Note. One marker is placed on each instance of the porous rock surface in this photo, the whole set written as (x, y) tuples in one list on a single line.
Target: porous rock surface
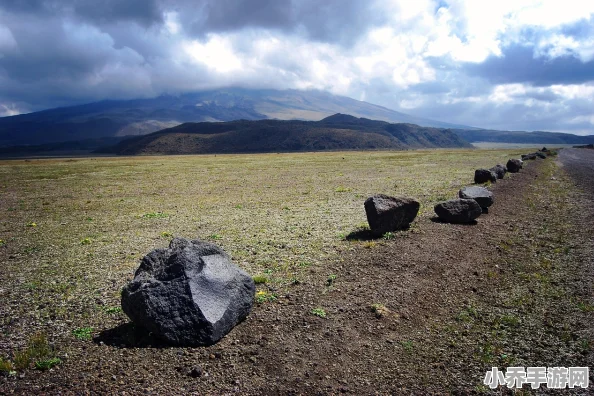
[(499, 170), (484, 175), (458, 210), (385, 213), (190, 294), (514, 165), (481, 195)]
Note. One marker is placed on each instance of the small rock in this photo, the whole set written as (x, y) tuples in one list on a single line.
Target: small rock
[(484, 175), (481, 195), (514, 165), (385, 213), (458, 210), (196, 372)]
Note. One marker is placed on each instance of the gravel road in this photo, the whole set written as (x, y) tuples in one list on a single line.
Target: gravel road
[(579, 163)]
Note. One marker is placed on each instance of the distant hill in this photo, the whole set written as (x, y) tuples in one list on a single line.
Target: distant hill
[(113, 118), (493, 136), (337, 132)]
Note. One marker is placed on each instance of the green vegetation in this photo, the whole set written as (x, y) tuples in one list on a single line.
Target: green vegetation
[(331, 279), (264, 296), (260, 279), (319, 312), (389, 235), (47, 363), (155, 215), (112, 311), (408, 346), (83, 333), (38, 352), (6, 366)]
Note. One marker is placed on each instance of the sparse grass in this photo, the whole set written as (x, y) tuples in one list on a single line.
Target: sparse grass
[(260, 279), (330, 280), (112, 311), (379, 310), (319, 312), (264, 296), (86, 241), (389, 235), (155, 215), (408, 346), (6, 366), (83, 333), (585, 307), (282, 224), (47, 364), (37, 352)]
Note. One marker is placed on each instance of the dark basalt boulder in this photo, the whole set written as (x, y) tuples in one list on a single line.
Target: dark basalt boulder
[(190, 294), (484, 175), (531, 156), (499, 170), (458, 210), (481, 195), (385, 213), (540, 155), (514, 165)]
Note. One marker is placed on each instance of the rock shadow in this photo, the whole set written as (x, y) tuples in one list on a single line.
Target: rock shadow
[(367, 235), (361, 235), (128, 335), (436, 219)]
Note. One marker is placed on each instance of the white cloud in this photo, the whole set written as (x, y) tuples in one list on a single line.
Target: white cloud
[(412, 57)]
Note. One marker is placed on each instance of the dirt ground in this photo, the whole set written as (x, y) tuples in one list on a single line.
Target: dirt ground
[(428, 311)]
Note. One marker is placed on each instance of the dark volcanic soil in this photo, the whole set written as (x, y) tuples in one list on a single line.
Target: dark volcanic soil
[(427, 312)]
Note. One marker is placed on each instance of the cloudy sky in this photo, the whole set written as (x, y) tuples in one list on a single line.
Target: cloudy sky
[(505, 64)]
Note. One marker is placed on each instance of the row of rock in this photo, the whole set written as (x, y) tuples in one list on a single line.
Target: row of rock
[(475, 200), (191, 294)]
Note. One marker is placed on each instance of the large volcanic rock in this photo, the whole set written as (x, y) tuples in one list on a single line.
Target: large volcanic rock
[(458, 210), (481, 195), (514, 165), (190, 294), (484, 175), (385, 213), (499, 170)]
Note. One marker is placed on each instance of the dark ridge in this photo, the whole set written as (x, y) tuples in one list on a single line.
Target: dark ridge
[(337, 132), (537, 137)]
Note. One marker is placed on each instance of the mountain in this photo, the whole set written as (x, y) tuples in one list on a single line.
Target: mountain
[(337, 132), (113, 118), (537, 137)]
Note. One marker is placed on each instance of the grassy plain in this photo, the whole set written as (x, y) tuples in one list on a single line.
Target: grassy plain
[(73, 230)]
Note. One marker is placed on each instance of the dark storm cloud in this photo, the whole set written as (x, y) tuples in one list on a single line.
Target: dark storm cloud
[(144, 12), (336, 21), (518, 65)]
